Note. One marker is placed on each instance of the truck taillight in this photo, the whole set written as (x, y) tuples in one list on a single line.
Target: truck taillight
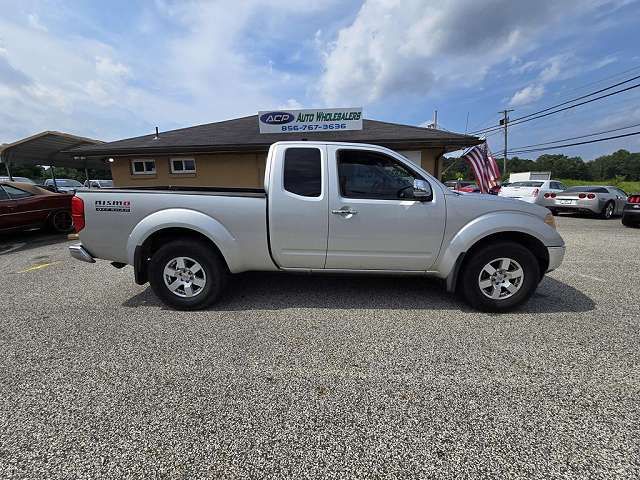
[(535, 193), (77, 213)]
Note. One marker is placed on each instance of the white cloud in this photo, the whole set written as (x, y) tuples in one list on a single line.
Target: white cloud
[(183, 63), (110, 68), (290, 104), (528, 94), (196, 71), (34, 22), (406, 47)]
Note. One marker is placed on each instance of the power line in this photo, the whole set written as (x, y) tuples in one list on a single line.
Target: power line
[(575, 138), (483, 122), (609, 77), (552, 124), (516, 122), (574, 144), (578, 98)]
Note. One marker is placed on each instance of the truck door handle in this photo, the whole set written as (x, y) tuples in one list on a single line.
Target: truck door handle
[(345, 211)]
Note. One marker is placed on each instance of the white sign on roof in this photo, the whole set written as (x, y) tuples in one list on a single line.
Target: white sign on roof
[(323, 120)]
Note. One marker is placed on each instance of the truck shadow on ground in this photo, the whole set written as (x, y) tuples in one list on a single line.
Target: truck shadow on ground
[(27, 240), (275, 291)]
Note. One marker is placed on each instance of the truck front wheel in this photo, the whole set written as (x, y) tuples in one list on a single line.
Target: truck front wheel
[(187, 275), (500, 277)]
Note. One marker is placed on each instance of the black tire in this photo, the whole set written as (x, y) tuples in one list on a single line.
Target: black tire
[(61, 221), (628, 223), (608, 210), (215, 274), (554, 212), (470, 276)]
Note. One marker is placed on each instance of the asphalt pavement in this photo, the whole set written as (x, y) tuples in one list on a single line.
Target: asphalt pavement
[(320, 377)]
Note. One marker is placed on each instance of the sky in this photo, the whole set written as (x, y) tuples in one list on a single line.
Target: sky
[(112, 70)]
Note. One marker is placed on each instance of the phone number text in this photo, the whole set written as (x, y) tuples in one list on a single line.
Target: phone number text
[(314, 126)]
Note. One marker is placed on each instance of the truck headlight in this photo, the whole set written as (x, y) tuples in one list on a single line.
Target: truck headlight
[(550, 220)]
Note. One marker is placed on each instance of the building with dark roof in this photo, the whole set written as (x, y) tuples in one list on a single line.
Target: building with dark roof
[(233, 152)]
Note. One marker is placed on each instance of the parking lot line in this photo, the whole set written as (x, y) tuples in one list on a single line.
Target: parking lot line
[(38, 266)]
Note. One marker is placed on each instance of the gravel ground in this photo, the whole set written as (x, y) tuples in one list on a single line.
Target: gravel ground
[(320, 377)]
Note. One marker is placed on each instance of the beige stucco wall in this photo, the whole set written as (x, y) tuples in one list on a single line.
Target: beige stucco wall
[(215, 170)]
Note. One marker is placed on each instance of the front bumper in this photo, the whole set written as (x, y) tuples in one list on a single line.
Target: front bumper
[(556, 255), (78, 252)]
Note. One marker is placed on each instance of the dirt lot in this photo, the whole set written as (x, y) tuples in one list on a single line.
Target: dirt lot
[(315, 377)]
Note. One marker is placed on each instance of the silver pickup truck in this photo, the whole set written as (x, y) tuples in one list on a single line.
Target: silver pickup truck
[(325, 207)]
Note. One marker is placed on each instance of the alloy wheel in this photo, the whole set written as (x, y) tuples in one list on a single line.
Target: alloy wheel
[(609, 211), (184, 277), (501, 278)]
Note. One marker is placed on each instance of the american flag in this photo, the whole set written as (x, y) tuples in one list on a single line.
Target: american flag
[(484, 166)]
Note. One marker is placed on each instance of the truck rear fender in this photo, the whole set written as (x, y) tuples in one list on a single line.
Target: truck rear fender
[(493, 227), (181, 218)]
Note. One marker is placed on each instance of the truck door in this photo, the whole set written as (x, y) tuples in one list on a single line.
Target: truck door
[(298, 224), (374, 222)]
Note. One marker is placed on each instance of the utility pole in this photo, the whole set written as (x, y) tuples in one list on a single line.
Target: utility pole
[(505, 122)]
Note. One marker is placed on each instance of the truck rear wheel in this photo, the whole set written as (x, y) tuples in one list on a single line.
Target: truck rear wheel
[(499, 277), (187, 275)]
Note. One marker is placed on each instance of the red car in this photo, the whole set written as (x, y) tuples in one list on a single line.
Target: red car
[(469, 188), (23, 206)]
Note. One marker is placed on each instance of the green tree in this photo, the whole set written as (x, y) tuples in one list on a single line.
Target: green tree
[(618, 164), (562, 166)]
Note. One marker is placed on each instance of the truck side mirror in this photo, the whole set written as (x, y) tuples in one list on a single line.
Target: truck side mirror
[(422, 190)]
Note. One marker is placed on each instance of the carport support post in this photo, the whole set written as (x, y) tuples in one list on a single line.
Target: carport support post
[(53, 177), (86, 173), (7, 164)]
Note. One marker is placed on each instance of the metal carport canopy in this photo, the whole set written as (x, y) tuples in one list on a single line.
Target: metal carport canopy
[(47, 148)]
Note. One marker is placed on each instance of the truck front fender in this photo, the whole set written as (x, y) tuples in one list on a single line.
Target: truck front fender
[(489, 224), (187, 219)]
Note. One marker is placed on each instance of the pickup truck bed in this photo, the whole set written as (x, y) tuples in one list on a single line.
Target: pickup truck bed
[(237, 216)]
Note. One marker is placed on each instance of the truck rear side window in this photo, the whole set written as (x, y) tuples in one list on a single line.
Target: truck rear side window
[(302, 171)]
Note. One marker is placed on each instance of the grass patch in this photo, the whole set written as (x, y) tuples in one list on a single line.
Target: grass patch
[(629, 187)]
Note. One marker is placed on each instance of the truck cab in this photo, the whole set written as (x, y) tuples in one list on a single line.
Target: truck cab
[(339, 196)]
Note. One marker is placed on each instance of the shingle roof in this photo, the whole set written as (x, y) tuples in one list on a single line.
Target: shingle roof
[(243, 134)]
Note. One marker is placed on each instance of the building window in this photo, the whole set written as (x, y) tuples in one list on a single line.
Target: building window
[(183, 165), (143, 167), (303, 171)]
